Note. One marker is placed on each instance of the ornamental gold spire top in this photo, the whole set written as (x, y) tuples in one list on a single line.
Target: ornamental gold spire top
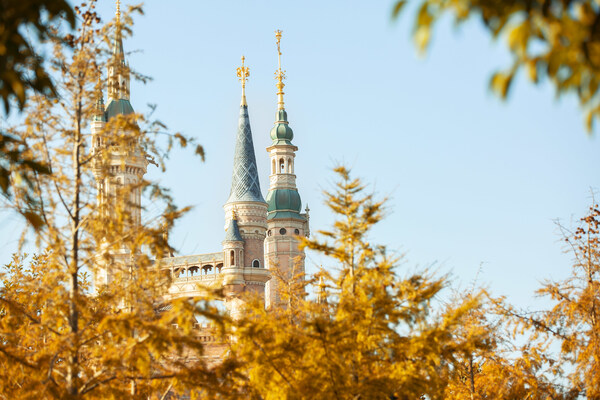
[(243, 73), (279, 74), (118, 13)]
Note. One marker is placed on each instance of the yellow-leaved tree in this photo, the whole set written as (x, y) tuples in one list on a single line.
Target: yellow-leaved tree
[(569, 332), (370, 333), (61, 339), (549, 354), (504, 365), (554, 39), (22, 71)]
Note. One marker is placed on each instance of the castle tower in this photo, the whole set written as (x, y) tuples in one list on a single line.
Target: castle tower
[(285, 223), (245, 212), (118, 172)]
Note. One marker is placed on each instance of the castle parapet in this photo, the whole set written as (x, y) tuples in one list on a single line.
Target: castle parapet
[(190, 273)]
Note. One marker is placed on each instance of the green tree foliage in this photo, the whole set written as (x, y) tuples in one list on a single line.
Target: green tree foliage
[(554, 39), (370, 334), (59, 339)]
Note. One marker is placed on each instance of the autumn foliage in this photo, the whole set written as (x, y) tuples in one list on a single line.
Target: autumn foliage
[(365, 326), (553, 40)]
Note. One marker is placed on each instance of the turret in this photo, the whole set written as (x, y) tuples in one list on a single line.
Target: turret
[(285, 222), (119, 168), (245, 212)]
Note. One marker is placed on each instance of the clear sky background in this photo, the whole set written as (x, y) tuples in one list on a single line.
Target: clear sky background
[(471, 181)]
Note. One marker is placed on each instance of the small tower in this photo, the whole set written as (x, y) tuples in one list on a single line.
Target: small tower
[(245, 212), (285, 223), (118, 166)]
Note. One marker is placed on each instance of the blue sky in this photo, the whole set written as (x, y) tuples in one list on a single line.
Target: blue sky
[(471, 180)]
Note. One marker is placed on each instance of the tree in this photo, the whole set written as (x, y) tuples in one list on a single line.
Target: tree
[(60, 339), (23, 70), (21, 65), (573, 322), (554, 39), (370, 333), (498, 368)]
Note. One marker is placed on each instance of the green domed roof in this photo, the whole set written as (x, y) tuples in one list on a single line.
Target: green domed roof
[(281, 133), (118, 107), (283, 203)]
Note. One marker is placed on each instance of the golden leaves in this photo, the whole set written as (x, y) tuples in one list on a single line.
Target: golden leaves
[(62, 340), (500, 83), (550, 39), (422, 30), (368, 334), (398, 8)]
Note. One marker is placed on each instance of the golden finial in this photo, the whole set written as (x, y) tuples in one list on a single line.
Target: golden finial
[(243, 73), (321, 293), (233, 214), (118, 11), (279, 74)]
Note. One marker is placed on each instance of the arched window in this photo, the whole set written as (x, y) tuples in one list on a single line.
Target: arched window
[(232, 258), (274, 167), (256, 264), (289, 166), (281, 165)]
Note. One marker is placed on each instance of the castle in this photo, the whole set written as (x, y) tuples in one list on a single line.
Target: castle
[(262, 235)]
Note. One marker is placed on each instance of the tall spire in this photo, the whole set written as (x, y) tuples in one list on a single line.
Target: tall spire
[(243, 73), (118, 74), (118, 42), (245, 185), (279, 74)]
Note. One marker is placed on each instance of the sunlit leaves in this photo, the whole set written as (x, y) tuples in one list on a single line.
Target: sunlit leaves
[(398, 8), (556, 40), (21, 66), (500, 82), (61, 338), (370, 332)]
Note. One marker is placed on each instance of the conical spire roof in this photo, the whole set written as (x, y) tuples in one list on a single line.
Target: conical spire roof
[(117, 49), (118, 42), (118, 75), (232, 233), (244, 181)]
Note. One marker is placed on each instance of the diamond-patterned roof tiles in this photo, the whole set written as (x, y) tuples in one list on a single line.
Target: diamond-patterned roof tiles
[(244, 181)]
